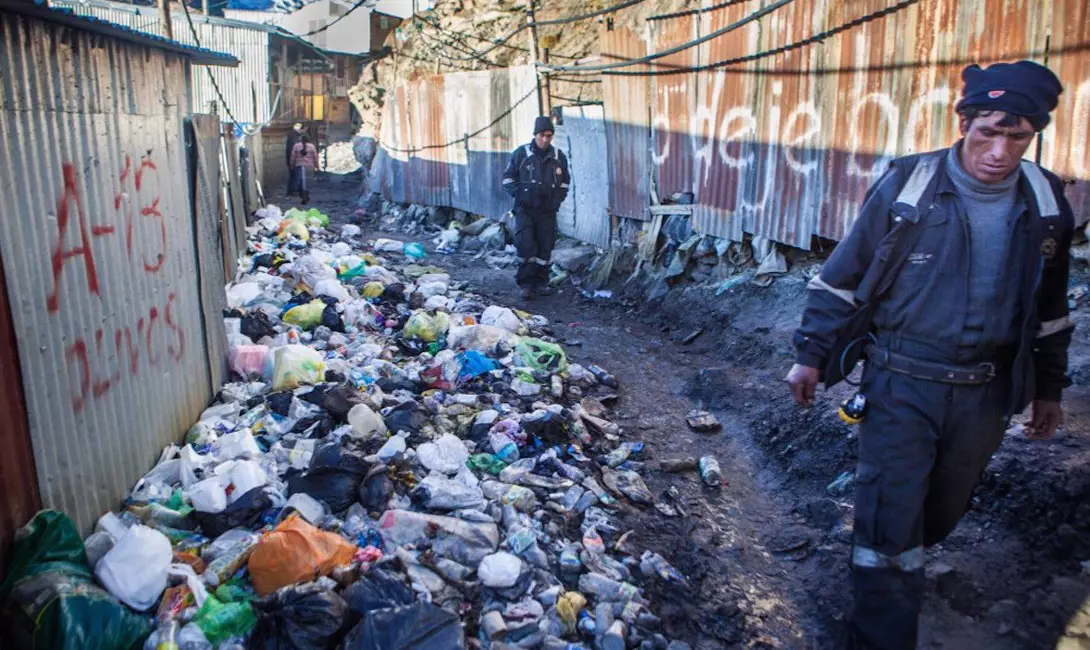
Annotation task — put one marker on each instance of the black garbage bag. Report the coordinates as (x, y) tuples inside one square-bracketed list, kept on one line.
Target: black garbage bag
[(339, 400), (376, 489), (280, 403), (50, 599), (407, 416), (394, 293), (257, 325), (337, 488), (316, 395), (334, 476), (244, 513), (263, 261), (391, 384), (299, 617), (377, 589), (331, 318), (331, 455), (334, 377), (422, 626), (324, 422)]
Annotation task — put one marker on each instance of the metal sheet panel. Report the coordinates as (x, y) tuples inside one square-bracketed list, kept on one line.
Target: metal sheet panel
[(441, 109), (584, 214), (97, 245), (786, 147), (627, 102), (245, 88), (203, 136)]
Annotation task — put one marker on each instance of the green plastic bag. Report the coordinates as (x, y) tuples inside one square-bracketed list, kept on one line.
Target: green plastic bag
[(307, 316), (356, 271), (220, 621), (311, 216), (486, 463), (542, 356), (414, 250), (50, 600)]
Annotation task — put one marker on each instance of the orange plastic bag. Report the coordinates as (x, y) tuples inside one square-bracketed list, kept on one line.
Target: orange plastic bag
[(296, 552)]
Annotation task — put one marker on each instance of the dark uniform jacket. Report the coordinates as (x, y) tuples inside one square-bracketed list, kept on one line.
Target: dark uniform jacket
[(537, 180), (903, 273)]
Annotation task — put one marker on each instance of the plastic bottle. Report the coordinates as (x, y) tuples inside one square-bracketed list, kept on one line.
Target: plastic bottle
[(168, 635), (225, 566), (684, 464), (622, 452), (710, 472), (520, 540), (569, 560), (394, 446), (605, 588), (592, 541), (603, 376), (503, 447)]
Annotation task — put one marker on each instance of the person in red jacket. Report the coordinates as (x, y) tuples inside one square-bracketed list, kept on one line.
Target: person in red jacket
[(304, 160)]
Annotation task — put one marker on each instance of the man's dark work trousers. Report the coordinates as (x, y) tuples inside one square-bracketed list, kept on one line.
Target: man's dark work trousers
[(922, 448), (535, 236)]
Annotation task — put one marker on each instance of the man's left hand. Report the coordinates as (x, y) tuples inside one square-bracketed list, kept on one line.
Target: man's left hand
[(1046, 418)]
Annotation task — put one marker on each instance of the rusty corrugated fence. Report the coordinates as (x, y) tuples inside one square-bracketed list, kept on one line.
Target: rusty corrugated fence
[(100, 257), (421, 115), (785, 147)]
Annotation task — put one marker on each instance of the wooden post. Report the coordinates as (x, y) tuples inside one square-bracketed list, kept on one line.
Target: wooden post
[(164, 19), (204, 6), (548, 88), (532, 21)]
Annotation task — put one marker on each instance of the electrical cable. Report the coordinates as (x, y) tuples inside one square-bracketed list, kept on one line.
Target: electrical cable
[(816, 38), (463, 35), (594, 14), (423, 60), (321, 29), (756, 15), (468, 135), (439, 42), (699, 10), (573, 80), (208, 69)]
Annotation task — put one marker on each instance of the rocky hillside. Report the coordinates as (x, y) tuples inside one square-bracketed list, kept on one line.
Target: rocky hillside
[(449, 37)]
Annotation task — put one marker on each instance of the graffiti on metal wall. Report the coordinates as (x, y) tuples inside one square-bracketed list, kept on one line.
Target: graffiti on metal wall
[(102, 359)]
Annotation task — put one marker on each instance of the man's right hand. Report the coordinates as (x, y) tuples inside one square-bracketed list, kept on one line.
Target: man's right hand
[(803, 381)]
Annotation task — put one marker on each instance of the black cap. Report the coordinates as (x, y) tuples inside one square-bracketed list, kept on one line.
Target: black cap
[(543, 124), (1025, 89)]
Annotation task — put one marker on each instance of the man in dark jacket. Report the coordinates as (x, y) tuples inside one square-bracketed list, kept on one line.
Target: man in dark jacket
[(538, 179), (954, 281)]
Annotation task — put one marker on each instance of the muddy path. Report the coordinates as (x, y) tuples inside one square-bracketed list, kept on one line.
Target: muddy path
[(767, 554)]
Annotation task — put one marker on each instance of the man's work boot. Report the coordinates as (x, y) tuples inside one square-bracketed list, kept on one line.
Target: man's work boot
[(526, 294)]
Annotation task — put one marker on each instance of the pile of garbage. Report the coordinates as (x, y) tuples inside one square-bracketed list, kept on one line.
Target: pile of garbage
[(396, 464)]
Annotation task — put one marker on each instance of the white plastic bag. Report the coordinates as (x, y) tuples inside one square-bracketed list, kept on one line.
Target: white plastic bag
[(501, 317), (243, 294), (135, 570), (333, 288), (235, 445), (245, 476), (500, 570), (446, 455), (383, 245), (209, 495)]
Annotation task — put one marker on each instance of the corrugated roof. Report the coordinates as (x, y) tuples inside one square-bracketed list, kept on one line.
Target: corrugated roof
[(69, 18)]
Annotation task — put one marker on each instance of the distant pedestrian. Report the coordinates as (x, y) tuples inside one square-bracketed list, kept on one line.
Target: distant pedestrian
[(296, 132), (304, 160), (538, 179)]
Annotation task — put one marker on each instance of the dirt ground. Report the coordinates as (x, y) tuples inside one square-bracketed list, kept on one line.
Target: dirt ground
[(767, 555)]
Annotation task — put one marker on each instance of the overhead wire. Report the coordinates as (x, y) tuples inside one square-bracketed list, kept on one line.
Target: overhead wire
[(816, 38), (479, 131), (463, 35), (594, 14), (208, 69), (321, 29), (756, 15), (698, 10)]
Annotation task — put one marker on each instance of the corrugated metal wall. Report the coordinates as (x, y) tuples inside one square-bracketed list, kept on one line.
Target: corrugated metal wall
[(786, 147), (249, 43), (584, 214), (99, 253), (444, 108)]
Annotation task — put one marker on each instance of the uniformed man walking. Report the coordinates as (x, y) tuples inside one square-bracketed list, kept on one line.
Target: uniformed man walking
[(537, 177), (954, 282)]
